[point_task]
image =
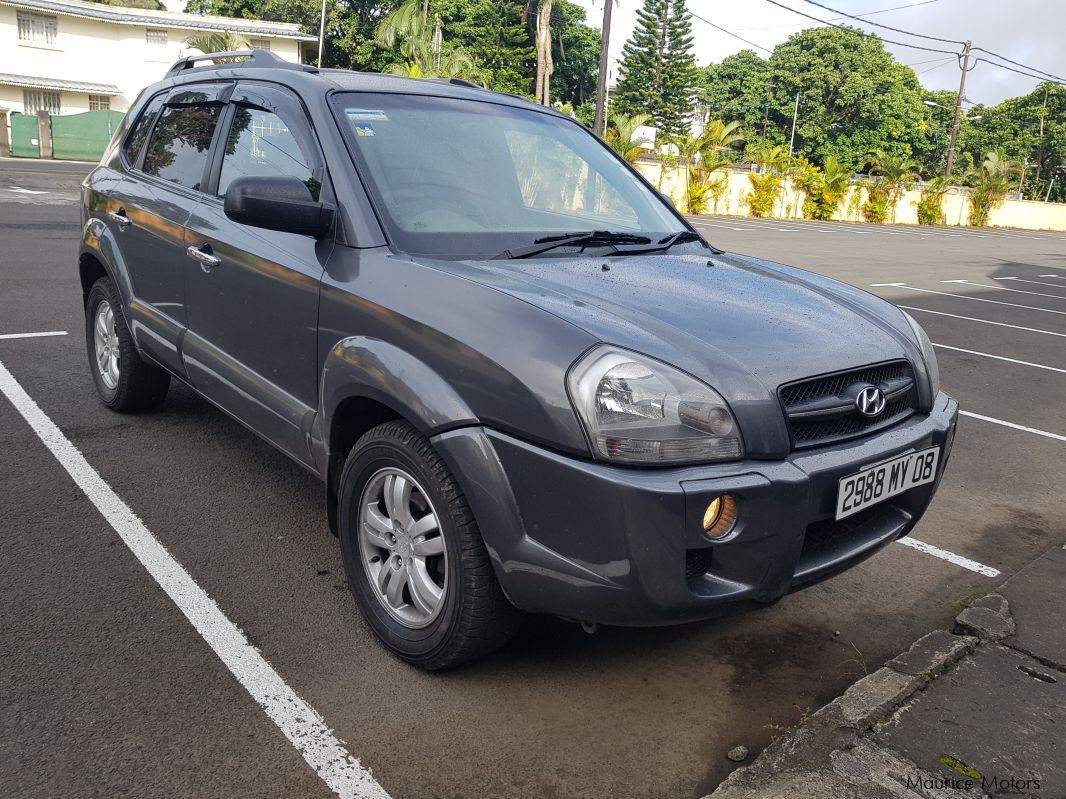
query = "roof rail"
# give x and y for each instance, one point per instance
(249, 58)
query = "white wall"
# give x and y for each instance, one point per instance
(97, 51)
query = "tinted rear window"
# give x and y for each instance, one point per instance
(180, 144)
(135, 140)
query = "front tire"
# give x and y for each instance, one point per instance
(124, 382)
(415, 560)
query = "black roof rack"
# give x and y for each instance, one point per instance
(249, 58)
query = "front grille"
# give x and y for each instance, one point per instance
(825, 533)
(822, 410)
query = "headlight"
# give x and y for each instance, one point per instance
(638, 410)
(931, 366)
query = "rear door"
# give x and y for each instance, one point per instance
(169, 163)
(253, 307)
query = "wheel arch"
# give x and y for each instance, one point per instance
(367, 382)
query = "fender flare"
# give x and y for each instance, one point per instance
(98, 241)
(369, 368)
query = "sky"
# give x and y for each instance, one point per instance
(1027, 31)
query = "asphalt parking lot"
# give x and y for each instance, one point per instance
(107, 689)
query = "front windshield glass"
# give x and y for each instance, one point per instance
(469, 179)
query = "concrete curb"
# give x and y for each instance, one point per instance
(826, 756)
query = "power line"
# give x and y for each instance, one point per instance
(1020, 72)
(858, 32)
(835, 19)
(723, 30)
(1024, 66)
(943, 63)
(881, 25)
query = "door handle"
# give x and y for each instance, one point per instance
(204, 255)
(120, 217)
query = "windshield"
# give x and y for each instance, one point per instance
(469, 179)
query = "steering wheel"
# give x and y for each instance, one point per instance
(421, 199)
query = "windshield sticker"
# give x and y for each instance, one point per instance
(365, 115)
(363, 130)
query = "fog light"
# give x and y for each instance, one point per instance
(720, 516)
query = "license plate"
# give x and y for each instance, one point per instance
(877, 483)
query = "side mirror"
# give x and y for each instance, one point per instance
(277, 203)
(668, 198)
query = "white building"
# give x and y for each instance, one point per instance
(68, 56)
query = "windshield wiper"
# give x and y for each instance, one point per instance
(587, 238)
(665, 243)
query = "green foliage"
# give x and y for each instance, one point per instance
(622, 135)
(736, 89)
(765, 189)
(152, 5)
(991, 181)
(825, 187)
(876, 207)
(931, 205)
(658, 68)
(896, 176)
(698, 195)
(221, 42)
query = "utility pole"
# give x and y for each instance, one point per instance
(601, 80)
(322, 34)
(958, 108)
(792, 139)
(1040, 146)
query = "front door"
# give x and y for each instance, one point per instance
(168, 160)
(253, 293)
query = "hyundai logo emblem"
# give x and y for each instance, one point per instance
(871, 401)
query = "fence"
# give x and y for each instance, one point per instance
(75, 137)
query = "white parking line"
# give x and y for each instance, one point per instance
(950, 557)
(983, 321)
(33, 335)
(1004, 288)
(1034, 282)
(1000, 358)
(296, 719)
(1058, 277)
(965, 297)
(1014, 426)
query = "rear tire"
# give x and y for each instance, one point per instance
(415, 560)
(123, 380)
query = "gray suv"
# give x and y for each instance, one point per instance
(526, 382)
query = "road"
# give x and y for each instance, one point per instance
(107, 689)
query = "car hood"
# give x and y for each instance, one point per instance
(741, 324)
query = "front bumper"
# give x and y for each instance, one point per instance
(625, 546)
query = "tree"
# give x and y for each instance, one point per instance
(575, 55)
(736, 89)
(931, 205)
(657, 74)
(767, 181)
(825, 187)
(678, 73)
(545, 65)
(854, 97)
(409, 30)
(992, 181)
(152, 5)
(896, 175)
(221, 42)
(622, 135)
(496, 37)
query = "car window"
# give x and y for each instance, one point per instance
(260, 144)
(135, 139)
(553, 177)
(465, 178)
(180, 144)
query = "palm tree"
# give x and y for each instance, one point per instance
(221, 42)
(897, 174)
(837, 178)
(622, 135)
(767, 156)
(719, 137)
(408, 29)
(991, 182)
